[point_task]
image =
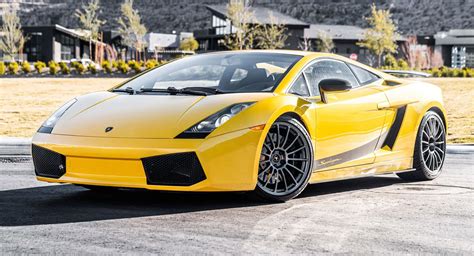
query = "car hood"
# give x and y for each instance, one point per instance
(142, 116)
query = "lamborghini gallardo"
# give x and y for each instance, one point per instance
(267, 122)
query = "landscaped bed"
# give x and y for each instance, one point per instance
(26, 102)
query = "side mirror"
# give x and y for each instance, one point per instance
(333, 85)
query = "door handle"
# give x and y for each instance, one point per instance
(383, 105)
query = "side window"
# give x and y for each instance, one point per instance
(300, 87)
(364, 76)
(312, 80)
(328, 69)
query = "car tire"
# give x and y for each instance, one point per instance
(286, 161)
(430, 149)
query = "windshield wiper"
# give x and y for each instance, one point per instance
(128, 90)
(174, 91)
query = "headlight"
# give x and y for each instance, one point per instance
(49, 124)
(206, 126)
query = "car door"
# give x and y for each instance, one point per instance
(350, 122)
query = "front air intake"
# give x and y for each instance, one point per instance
(48, 163)
(181, 169)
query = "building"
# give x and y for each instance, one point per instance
(57, 43)
(345, 39)
(166, 46)
(300, 34)
(211, 39)
(160, 46)
(456, 47)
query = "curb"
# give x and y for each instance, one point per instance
(14, 141)
(460, 149)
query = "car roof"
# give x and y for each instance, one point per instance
(290, 52)
(314, 55)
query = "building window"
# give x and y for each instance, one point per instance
(33, 47)
(67, 47)
(458, 57)
(470, 57)
(203, 45)
(221, 26)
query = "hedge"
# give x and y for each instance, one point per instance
(63, 68)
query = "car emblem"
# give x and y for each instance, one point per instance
(108, 129)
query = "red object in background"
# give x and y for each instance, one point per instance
(353, 56)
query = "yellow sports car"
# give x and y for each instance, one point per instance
(269, 122)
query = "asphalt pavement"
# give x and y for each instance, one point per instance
(375, 215)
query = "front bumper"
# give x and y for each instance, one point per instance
(229, 161)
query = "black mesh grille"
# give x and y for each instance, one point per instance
(182, 169)
(48, 163)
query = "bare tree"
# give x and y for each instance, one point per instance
(242, 27)
(409, 50)
(306, 44)
(272, 35)
(12, 41)
(420, 56)
(131, 28)
(325, 42)
(436, 58)
(88, 17)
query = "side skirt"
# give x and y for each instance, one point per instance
(394, 166)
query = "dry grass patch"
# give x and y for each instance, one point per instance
(458, 96)
(26, 102)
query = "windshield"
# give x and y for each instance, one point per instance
(220, 72)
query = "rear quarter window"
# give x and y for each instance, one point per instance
(364, 76)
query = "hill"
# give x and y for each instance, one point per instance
(412, 16)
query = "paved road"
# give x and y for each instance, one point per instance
(369, 215)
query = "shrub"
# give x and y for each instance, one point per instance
(453, 72)
(74, 64)
(444, 73)
(136, 66)
(92, 68)
(115, 64)
(151, 64)
(2, 68)
(189, 44)
(39, 66)
(390, 62)
(470, 72)
(13, 68)
(435, 72)
(25, 67)
(106, 66)
(402, 64)
(122, 66)
(53, 67)
(80, 68)
(64, 68)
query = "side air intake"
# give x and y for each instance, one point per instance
(48, 163)
(181, 169)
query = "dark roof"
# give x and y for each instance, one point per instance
(339, 32)
(344, 32)
(262, 15)
(455, 37)
(77, 33)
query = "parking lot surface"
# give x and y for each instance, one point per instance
(368, 215)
